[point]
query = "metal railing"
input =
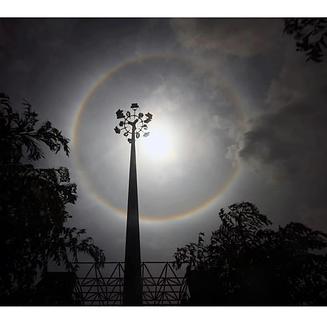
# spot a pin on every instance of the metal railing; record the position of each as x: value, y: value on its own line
x: 162, y: 284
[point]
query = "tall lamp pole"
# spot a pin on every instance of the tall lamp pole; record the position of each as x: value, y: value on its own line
x: 132, y: 125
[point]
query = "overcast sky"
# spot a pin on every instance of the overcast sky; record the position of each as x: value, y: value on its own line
x: 241, y: 114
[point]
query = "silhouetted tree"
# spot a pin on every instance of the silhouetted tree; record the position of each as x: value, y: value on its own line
x: 247, y: 263
x: 310, y: 35
x: 33, y: 206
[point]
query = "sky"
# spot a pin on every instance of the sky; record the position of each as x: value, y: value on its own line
x: 238, y: 115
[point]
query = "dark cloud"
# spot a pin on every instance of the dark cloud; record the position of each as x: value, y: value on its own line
x: 240, y: 37
x: 288, y: 142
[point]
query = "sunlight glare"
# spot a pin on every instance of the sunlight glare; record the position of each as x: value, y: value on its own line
x: 159, y: 146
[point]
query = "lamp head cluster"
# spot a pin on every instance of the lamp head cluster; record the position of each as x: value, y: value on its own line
x: 132, y: 124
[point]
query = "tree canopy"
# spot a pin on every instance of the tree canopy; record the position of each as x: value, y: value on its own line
x: 310, y: 35
x: 33, y: 205
x: 248, y: 263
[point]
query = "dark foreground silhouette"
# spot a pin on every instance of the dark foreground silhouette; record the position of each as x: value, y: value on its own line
x: 310, y: 35
x: 248, y: 263
x: 33, y: 210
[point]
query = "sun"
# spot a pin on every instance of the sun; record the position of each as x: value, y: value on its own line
x: 159, y: 146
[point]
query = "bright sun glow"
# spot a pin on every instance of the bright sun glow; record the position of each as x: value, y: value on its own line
x: 159, y: 146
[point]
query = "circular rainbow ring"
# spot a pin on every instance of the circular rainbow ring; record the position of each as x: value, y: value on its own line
x: 231, y: 95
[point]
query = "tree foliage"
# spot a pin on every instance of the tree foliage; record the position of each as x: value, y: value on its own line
x: 310, y: 35
x: 33, y: 204
x: 248, y: 263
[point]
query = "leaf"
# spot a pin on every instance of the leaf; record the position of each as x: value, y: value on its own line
x: 120, y: 114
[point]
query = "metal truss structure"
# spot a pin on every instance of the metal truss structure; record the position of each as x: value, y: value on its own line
x: 162, y: 284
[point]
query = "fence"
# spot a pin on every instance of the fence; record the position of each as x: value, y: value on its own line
x: 162, y: 284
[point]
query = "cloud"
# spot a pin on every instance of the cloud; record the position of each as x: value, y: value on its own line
x: 241, y: 37
x: 288, y: 140
x: 297, y: 80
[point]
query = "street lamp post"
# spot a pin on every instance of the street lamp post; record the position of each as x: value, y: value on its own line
x: 132, y: 125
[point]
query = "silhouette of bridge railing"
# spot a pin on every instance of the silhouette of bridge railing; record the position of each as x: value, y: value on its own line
x: 162, y: 284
